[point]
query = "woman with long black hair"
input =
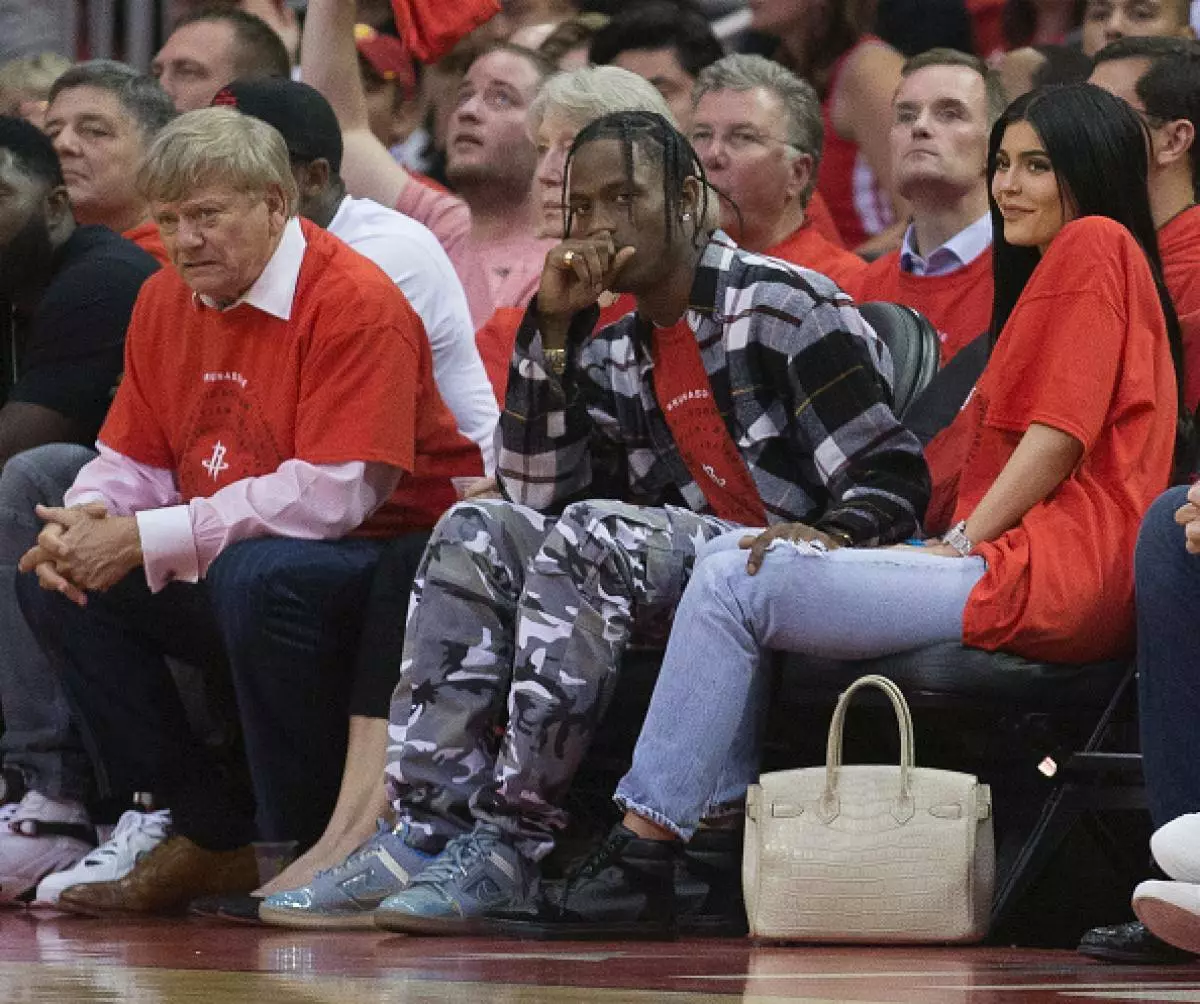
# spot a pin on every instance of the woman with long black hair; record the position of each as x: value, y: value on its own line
x: 1068, y: 437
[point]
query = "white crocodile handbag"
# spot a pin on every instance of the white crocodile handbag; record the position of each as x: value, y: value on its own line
x: 869, y: 853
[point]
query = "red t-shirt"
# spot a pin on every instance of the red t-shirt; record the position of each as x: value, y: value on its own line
x: 431, y: 28
x: 1179, y: 246
x: 959, y: 305
x: 1085, y: 351
x: 147, y: 237
x: 496, y: 339
x: 328, y: 386
x: 858, y: 205
x: 817, y: 213
x: 810, y: 249
x: 987, y: 27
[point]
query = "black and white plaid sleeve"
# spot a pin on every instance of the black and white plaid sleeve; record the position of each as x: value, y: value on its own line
x: 551, y: 426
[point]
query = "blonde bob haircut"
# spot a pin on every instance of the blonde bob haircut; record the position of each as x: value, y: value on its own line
x: 584, y: 95
x: 216, y: 146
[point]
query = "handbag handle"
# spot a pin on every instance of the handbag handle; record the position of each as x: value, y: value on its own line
x: 830, y: 805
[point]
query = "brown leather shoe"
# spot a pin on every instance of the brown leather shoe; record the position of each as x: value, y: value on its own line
x: 167, y: 879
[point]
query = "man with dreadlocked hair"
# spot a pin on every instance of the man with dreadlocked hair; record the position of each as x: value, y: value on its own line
x: 742, y: 392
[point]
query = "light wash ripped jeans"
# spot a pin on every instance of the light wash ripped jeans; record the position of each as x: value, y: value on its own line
x: 699, y: 747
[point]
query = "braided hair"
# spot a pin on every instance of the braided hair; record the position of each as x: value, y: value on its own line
x: 661, y: 141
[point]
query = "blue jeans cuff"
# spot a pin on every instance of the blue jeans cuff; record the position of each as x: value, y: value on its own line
x: 629, y: 805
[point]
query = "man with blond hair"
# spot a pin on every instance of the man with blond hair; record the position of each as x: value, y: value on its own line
x: 276, y: 419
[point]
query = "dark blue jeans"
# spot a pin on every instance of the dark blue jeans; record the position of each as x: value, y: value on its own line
x: 1168, y: 611
x: 283, y: 617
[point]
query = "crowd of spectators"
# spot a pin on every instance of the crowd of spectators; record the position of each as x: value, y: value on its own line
x: 375, y: 375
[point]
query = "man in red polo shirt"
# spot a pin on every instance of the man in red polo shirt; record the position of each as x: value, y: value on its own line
x: 277, y: 418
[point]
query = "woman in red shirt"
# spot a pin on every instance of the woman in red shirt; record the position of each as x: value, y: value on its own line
x: 855, y: 75
x: 1067, y: 439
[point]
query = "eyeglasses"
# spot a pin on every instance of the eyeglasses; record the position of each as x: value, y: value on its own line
x: 737, y: 140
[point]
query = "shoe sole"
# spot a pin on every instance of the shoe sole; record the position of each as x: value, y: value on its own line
x: 535, y: 930
x: 226, y: 916
x: 181, y: 910
x: 276, y: 917
x: 433, y: 927
x: 18, y: 900
x: 1133, y: 956
x: 1173, y: 924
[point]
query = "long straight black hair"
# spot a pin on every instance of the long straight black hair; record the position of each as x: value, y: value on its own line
x: 1097, y: 146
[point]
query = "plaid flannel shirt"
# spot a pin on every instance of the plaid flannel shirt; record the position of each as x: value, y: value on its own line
x: 801, y: 380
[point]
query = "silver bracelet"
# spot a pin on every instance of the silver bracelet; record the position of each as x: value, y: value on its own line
x: 957, y: 538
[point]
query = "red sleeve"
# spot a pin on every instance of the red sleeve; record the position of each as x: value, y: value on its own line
x: 495, y: 341
x: 149, y: 240
x: 1063, y: 346
x: 133, y: 426
x: 358, y: 392
x: 431, y: 28
x: 1062, y: 367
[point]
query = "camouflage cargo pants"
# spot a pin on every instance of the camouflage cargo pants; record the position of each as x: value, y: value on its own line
x: 516, y: 629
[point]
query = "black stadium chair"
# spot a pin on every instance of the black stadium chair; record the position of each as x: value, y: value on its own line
x: 913, y: 344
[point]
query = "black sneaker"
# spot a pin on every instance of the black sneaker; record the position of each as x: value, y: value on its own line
x: 708, y: 886
x: 624, y: 889
x: 12, y: 785
x: 1132, y: 943
x: 238, y: 908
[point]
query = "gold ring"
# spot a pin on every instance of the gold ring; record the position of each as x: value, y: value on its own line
x: 568, y: 257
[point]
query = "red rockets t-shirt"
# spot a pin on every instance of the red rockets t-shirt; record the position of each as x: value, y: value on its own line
x: 219, y: 396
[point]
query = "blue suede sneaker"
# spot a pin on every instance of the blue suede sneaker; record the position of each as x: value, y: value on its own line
x: 346, y: 895
x: 477, y: 872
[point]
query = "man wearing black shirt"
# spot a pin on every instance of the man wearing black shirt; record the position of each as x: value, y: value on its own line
x: 66, y: 294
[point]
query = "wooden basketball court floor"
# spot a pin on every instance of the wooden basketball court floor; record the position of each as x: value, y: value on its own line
x: 51, y: 958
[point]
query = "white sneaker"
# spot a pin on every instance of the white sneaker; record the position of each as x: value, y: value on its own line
x: 136, y: 834
x: 1176, y: 848
x: 39, y: 835
x: 1171, y: 910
